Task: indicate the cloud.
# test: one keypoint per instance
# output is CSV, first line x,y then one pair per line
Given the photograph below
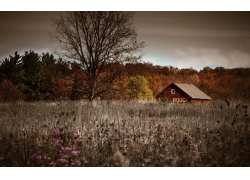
x,y
238,58
201,57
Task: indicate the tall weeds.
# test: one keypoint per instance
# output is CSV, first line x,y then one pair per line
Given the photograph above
x,y
113,133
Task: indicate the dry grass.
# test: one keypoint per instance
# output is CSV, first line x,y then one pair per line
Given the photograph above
x,y
113,133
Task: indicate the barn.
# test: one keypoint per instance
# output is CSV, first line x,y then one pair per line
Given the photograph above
x,y
183,93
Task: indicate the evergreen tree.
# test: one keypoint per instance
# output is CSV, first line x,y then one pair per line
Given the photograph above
x,y
10,68
34,80
49,69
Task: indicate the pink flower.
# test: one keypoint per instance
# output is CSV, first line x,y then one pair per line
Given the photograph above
x,y
78,163
56,131
57,142
35,156
39,157
75,152
66,149
62,160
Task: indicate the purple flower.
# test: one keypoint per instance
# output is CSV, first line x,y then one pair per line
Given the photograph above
x,y
75,152
36,159
57,142
78,140
78,163
62,160
66,148
56,131
35,156
39,157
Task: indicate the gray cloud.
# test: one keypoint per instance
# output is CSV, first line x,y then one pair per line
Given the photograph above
x,y
200,57
180,39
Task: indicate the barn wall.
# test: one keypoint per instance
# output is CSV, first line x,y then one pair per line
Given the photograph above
x,y
199,101
179,96
196,101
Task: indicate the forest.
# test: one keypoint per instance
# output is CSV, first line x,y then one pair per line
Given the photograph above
x,y
36,77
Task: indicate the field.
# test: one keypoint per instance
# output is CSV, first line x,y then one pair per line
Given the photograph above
x,y
129,133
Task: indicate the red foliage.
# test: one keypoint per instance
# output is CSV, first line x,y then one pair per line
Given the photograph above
x,y
157,82
9,92
61,89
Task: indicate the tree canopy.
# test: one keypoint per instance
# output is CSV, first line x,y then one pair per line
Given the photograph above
x,y
32,76
138,88
97,41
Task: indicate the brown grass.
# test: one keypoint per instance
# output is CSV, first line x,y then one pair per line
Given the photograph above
x,y
114,133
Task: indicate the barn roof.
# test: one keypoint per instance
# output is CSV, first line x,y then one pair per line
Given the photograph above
x,y
192,91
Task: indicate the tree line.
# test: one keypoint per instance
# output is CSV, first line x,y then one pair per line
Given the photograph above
x,y
100,57
34,77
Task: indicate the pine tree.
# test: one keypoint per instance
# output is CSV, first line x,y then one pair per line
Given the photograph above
x,y
10,69
34,80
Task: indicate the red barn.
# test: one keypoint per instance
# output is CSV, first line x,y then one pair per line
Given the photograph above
x,y
183,93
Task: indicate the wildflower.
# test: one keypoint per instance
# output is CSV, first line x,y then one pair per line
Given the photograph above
x,y
75,152
39,157
78,163
56,131
62,160
36,157
57,142
66,148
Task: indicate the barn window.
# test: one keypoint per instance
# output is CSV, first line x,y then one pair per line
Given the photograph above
x,y
172,91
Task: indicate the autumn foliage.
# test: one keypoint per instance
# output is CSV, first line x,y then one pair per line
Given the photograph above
x,y
61,88
9,92
56,79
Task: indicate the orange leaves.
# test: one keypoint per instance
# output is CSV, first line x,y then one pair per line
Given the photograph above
x,y
157,82
61,89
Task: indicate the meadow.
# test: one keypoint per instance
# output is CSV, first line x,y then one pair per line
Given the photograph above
x,y
124,134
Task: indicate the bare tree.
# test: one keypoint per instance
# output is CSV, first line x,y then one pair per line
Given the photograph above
x,y
99,42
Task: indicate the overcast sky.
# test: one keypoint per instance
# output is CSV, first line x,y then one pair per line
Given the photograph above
x,y
179,39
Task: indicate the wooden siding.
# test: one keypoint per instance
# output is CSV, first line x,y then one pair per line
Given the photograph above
x,y
178,96
199,101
